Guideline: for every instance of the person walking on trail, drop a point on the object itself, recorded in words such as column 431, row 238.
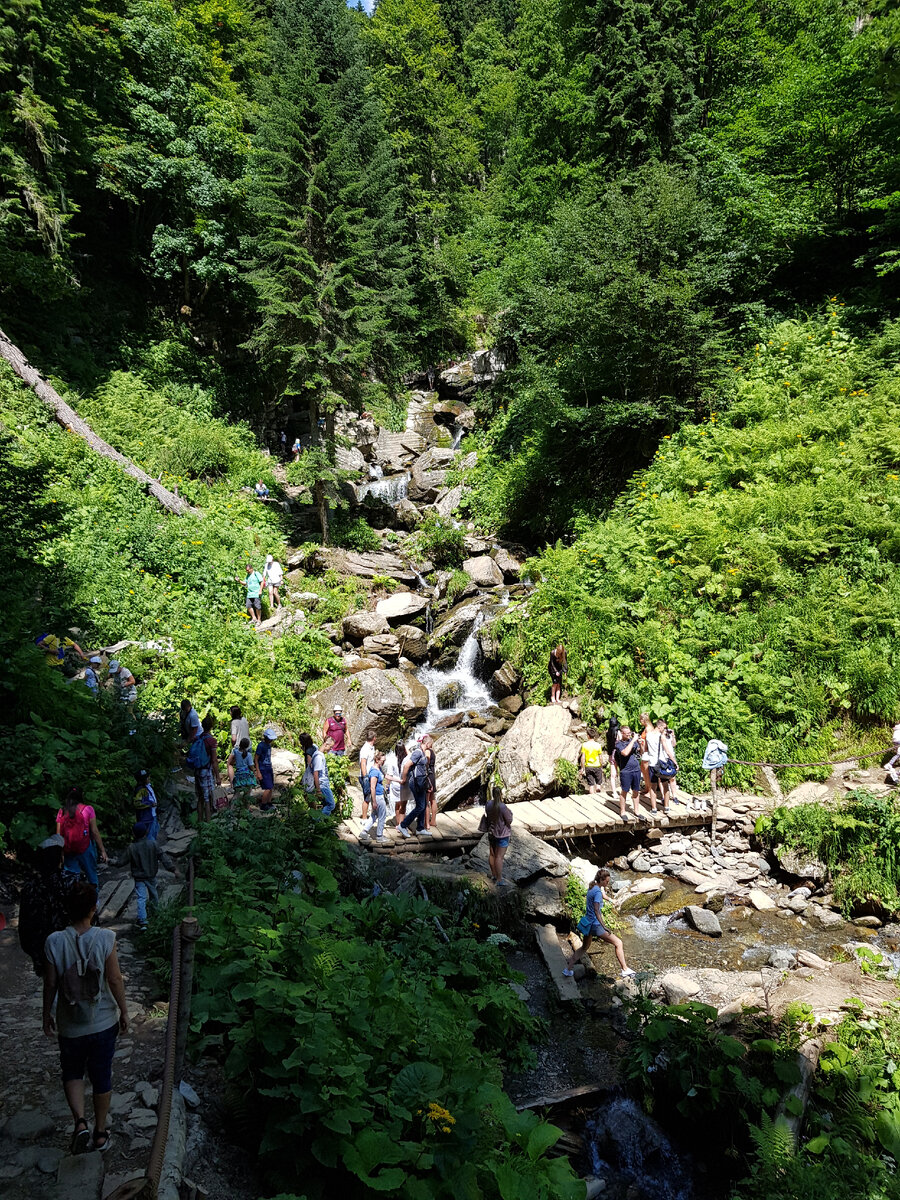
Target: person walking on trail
column 241, row 774
column 377, row 800
column 146, row 804
column 628, row 764
column 123, row 682
column 282, row 445
column 612, row 736
column 61, row 652
column 334, row 733
column 189, row 722
column 664, row 769
column 591, row 928
column 431, row 791
column 240, row 727
column 559, row 664
column 591, row 761
column 84, row 978
column 366, row 758
column 253, row 583
column 315, row 777
column 42, row 901
column 142, row 858
column 262, row 765
column 76, row 824
column 894, row 760
column 393, row 764
column 497, row 824
column 273, row 574
column 295, row 450
column 92, row 674
column 415, row 773
column 203, row 759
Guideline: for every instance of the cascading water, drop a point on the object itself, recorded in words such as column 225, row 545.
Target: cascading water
column 624, row 1140
column 472, row 692
column 389, row 489
column 458, row 434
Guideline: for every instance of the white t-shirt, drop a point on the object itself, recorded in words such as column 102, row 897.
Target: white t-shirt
column 240, row 728
column 366, row 759
column 274, row 573
column 896, row 735
column 654, row 737
column 392, row 768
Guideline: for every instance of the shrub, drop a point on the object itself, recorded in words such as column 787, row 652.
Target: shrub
column 456, row 585
column 441, row 541
column 565, row 776
column 354, row 533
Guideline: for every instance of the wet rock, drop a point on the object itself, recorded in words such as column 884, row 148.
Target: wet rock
column 428, row 474
column 385, row 645
column 529, row 751
column 496, row 727
column 505, row 681
column 867, row 922
column 483, row 571
column 357, row 626
column 802, row 865
column 449, row 722
column 703, row 920
column 406, row 515
column 640, row 901
column 398, row 608
column 760, row 901
column 386, row 701
column 678, row 988
column 28, row 1125
column 460, row 755
column 526, row 859
column 824, row 916
column 450, row 633
column 450, row 694
column 715, row 903
column 511, row 567
column 413, row 642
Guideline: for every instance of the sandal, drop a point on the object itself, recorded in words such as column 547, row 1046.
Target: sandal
column 101, row 1140
column 80, row 1137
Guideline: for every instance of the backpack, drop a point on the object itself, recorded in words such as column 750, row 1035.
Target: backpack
column 76, row 831
column 80, row 986
column 420, row 768
column 198, row 755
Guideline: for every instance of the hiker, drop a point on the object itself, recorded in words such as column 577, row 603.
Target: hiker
column 262, row 492
column 591, row 926
column 415, row 773
column 295, row 450
column 188, row 722
column 241, row 774
column 143, row 857
column 282, row 445
column 253, row 583
column 203, row 758
column 646, row 725
column 84, row 978
column 92, row 674
column 146, row 804
column 366, row 758
column 315, row 777
column 612, row 736
column 273, row 574
column 894, row 760
column 375, row 783
column 628, row 762
column 497, row 824
column 431, row 791
column 665, row 766
column 76, row 824
column 124, row 683
column 262, row 765
column 61, row 652
column 334, row 733
column 42, row 901
column 591, row 761
column 558, row 666
column 393, row 764
column 240, row 727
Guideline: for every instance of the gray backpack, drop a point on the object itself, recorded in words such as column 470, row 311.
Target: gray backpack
column 80, row 986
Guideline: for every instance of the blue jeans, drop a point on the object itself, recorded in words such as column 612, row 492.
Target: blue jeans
column 328, row 796
column 144, row 888
column 86, row 862
column 420, row 796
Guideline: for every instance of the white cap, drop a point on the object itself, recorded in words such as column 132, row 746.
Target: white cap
column 95, row 658
column 270, row 732
column 114, row 667
column 337, row 708
column 269, row 558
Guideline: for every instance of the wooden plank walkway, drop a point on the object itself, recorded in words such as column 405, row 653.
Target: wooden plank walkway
column 553, row 819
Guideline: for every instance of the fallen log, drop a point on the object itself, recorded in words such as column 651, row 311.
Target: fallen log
column 70, row 420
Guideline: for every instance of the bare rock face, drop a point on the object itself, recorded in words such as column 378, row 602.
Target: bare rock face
column 386, row 701
column 483, row 571
column 397, row 451
column 526, row 859
column 359, row 625
column 413, row 642
column 511, row 567
column 385, row 645
column 505, row 681
column 398, row 608
column 364, row 566
column 459, row 756
column 429, row 473
column 528, row 752
column 452, row 631
column 448, row 500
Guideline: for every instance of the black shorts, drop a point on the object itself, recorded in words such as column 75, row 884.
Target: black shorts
column 94, row 1053
column 254, row 602
column 594, row 776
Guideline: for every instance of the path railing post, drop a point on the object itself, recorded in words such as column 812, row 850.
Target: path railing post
column 189, row 932
column 715, row 807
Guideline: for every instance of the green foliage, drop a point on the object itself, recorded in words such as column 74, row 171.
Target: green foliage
column 356, row 534
column 391, row 1042
column 565, row 776
column 387, row 407
column 456, row 585
column 441, row 541
column 857, row 838
column 575, row 898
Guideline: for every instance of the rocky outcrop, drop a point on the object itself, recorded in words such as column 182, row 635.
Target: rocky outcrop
column 511, row 567
column 452, row 631
column 528, row 752
column 401, row 606
column 527, row 857
column 348, row 458
column 397, row 451
column 359, row 625
column 413, row 642
column 460, row 755
column 428, row 474
column 386, row 701
column 483, row 571
column 505, row 681
column 364, row 566
column 447, row 501
column 803, row 866
column 385, row 645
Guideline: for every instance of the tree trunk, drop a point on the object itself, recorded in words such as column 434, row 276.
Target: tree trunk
column 322, row 502
column 70, row 420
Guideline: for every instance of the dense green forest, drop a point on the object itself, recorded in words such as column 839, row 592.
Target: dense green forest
column 678, row 226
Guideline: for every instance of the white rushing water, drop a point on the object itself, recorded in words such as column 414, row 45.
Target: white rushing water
column 474, row 693
column 389, row 489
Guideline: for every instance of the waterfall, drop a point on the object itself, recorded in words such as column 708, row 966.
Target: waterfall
column 458, row 434
column 623, row 1138
column 473, row 692
column 389, row 489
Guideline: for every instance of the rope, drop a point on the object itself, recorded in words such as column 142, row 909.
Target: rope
column 826, row 762
column 158, row 1149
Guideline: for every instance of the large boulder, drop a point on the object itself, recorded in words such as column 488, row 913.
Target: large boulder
column 398, row 608
column 678, row 988
column 703, row 920
column 349, row 458
column 413, row 642
column 406, row 515
column 448, row 500
column 386, row 701
column 450, row 633
column 528, row 752
column 526, row 859
column 429, row 473
column 505, row 681
column 364, row 566
column 511, row 567
column 397, row 451
column 459, row 756
column 483, row 571
column 359, row 625
column 287, row 767
column 803, row 866
column 385, row 645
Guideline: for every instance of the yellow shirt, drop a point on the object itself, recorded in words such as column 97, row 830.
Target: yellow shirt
column 592, row 752
column 51, row 646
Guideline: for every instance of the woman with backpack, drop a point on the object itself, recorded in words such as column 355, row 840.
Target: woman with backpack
column 378, row 811
column 84, row 978
column 203, row 758
column 415, row 773
column 76, row 824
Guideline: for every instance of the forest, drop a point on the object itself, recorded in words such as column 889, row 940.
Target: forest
column 676, row 224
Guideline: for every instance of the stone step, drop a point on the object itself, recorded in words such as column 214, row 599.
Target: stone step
column 548, row 944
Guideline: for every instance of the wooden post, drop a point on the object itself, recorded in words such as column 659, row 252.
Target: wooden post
column 715, row 807
column 190, row 931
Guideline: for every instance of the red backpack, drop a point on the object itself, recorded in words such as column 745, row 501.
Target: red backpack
column 76, row 831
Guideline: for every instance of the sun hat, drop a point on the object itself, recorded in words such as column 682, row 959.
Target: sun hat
column 270, row 732
column 269, row 558
column 337, row 708
column 114, row 666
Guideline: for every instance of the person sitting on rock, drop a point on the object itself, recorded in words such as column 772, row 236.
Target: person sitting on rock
column 591, row 761
column 591, row 927
column 261, row 490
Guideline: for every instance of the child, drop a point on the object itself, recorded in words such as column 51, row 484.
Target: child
column 591, row 926
column 146, row 804
column 591, row 761
column 240, row 767
column 376, row 798
column 143, row 857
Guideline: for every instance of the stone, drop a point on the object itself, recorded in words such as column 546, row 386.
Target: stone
column 354, row 663
column 142, row 1118
column 641, row 901
column 459, row 757
column 364, row 566
column 148, row 1093
column 641, row 863
column 357, row 626
column 543, row 900
column 348, row 458
column 450, row 694
column 715, row 903
column 703, row 920
column 761, row 865
column 512, row 704
column 28, row 1125
column 191, row 1099
column 448, row 501
column 594, row 1186
column 803, row 866
column 746, row 874
column 806, row 958
column 398, row 608
column 505, row 681
column 825, row 916
column 691, row 877
column 413, row 642
column 406, row 515
column 496, row 727
column 385, row 645
column 80, row 1176
column 449, row 722
column 766, row 782
column 47, row 1159
column 287, row 767
column 483, row 571
column 760, row 901
column 585, row 871
column 782, row 959
column 678, row 988
column 526, row 859
column 388, row 701
column 428, row 474
column 450, row 633
column 511, row 567
column 808, row 793
column 867, row 922
column 397, row 451
column 529, row 751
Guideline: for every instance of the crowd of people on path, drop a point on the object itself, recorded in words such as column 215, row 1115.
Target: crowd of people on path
column 98, row 673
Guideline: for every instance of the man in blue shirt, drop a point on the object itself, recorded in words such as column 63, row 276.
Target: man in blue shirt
column 262, row 764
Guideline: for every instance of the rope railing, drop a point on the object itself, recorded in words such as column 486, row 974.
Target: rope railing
column 825, row 762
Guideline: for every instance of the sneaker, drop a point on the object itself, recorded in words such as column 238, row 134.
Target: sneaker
column 364, row 837
column 425, row 833
column 381, row 839
column 627, row 972
column 626, row 817
column 405, row 832
column 892, row 771
column 568, row 974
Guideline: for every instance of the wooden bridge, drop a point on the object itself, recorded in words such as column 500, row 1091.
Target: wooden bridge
column 555, row 819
